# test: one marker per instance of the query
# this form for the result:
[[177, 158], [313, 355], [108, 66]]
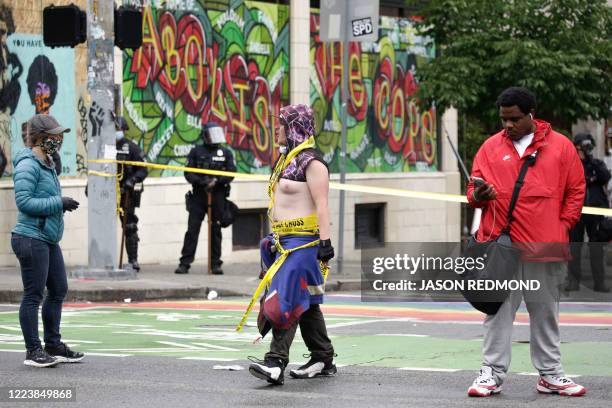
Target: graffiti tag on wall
[[39, 80], [386, 129], [205, 65]]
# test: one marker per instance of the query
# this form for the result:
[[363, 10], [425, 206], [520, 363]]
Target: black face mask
[[50, 146]]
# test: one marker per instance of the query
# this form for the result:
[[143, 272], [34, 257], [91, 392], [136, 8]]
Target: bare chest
[[291, 187]]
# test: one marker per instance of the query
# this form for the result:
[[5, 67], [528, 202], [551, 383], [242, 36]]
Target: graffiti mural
[[10, 88], [227, 66], [36, 79], [386, 129]]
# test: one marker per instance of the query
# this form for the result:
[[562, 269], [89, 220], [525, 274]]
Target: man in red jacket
[[549, 204]]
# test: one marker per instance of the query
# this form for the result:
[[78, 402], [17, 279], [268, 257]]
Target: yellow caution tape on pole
[[100, 173], [357, 188]]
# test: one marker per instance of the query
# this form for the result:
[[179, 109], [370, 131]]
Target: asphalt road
[[162, 354], [164, 382]]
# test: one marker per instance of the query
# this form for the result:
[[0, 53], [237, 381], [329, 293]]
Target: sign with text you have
[[349, 20]]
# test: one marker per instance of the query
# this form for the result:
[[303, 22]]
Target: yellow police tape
[[357, 188]]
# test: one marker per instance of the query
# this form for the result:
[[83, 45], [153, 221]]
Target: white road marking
[[179, 345], [206, 345], [150, 350], [442, 370], [401, 335], [208, 359], [11, 328], [108, 354], [479, 323], [538, 374], [360, 322]]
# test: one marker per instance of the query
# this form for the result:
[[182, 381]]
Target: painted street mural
[[35, 79], [386, 129], [208, 65]]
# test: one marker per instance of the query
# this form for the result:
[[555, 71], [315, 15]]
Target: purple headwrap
[[299, 124]]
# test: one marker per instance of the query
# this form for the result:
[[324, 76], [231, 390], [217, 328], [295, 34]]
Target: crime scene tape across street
[[397, 192]]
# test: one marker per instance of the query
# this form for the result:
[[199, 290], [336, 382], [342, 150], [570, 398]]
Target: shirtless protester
[[296, 253]]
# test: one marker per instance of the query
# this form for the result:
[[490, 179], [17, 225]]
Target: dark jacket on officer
[[213, 157], [597, 177], [596, 173], [129, 151]]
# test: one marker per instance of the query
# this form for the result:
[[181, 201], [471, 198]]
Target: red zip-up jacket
[[550, 201]]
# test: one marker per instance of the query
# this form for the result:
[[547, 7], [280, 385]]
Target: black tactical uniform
[[131, 189], [210, 155], [597, 176]]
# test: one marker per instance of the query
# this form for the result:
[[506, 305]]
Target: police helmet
[[213, 134]]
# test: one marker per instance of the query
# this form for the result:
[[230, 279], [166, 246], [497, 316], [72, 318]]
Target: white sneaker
[[484, 385], [553, 384]]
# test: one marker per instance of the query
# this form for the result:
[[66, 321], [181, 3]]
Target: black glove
[[68, 204], [129, 183], [326, 250]]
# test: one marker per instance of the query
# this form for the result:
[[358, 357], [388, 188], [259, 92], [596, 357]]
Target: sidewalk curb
[[147, 294]]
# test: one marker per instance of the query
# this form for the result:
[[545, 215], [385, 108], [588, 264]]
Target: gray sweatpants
[[543, 309]]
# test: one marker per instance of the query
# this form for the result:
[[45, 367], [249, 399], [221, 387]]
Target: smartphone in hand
[[477, 181]]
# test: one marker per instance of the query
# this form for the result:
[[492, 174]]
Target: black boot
[[182, 269], [131, 245], [572, 285]]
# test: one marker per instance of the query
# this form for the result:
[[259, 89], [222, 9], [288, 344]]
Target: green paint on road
[[210, 334]]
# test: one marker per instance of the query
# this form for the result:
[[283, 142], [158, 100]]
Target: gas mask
[[587, 147]]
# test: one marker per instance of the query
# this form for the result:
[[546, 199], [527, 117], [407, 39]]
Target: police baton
[[209, 216], [125, 206]]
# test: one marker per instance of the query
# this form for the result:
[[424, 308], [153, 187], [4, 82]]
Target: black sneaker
[[216, 270], [135, 265], [182, 269], [271, 370], [64, 355], [39, 358], [315, 368]]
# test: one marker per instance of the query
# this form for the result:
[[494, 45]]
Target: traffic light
[[64, 26], [128, 28]]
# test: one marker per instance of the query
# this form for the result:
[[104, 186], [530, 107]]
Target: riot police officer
[[131, 188], [597, 176], [210, 155]]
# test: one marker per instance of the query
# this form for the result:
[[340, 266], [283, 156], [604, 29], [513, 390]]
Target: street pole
[[345, 68], [102, 190], [210, 223]]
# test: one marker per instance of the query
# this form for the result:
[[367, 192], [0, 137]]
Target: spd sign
[[349, 20], [362, 27]]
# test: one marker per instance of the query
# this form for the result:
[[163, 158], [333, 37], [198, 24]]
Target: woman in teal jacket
[[35, 241]]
